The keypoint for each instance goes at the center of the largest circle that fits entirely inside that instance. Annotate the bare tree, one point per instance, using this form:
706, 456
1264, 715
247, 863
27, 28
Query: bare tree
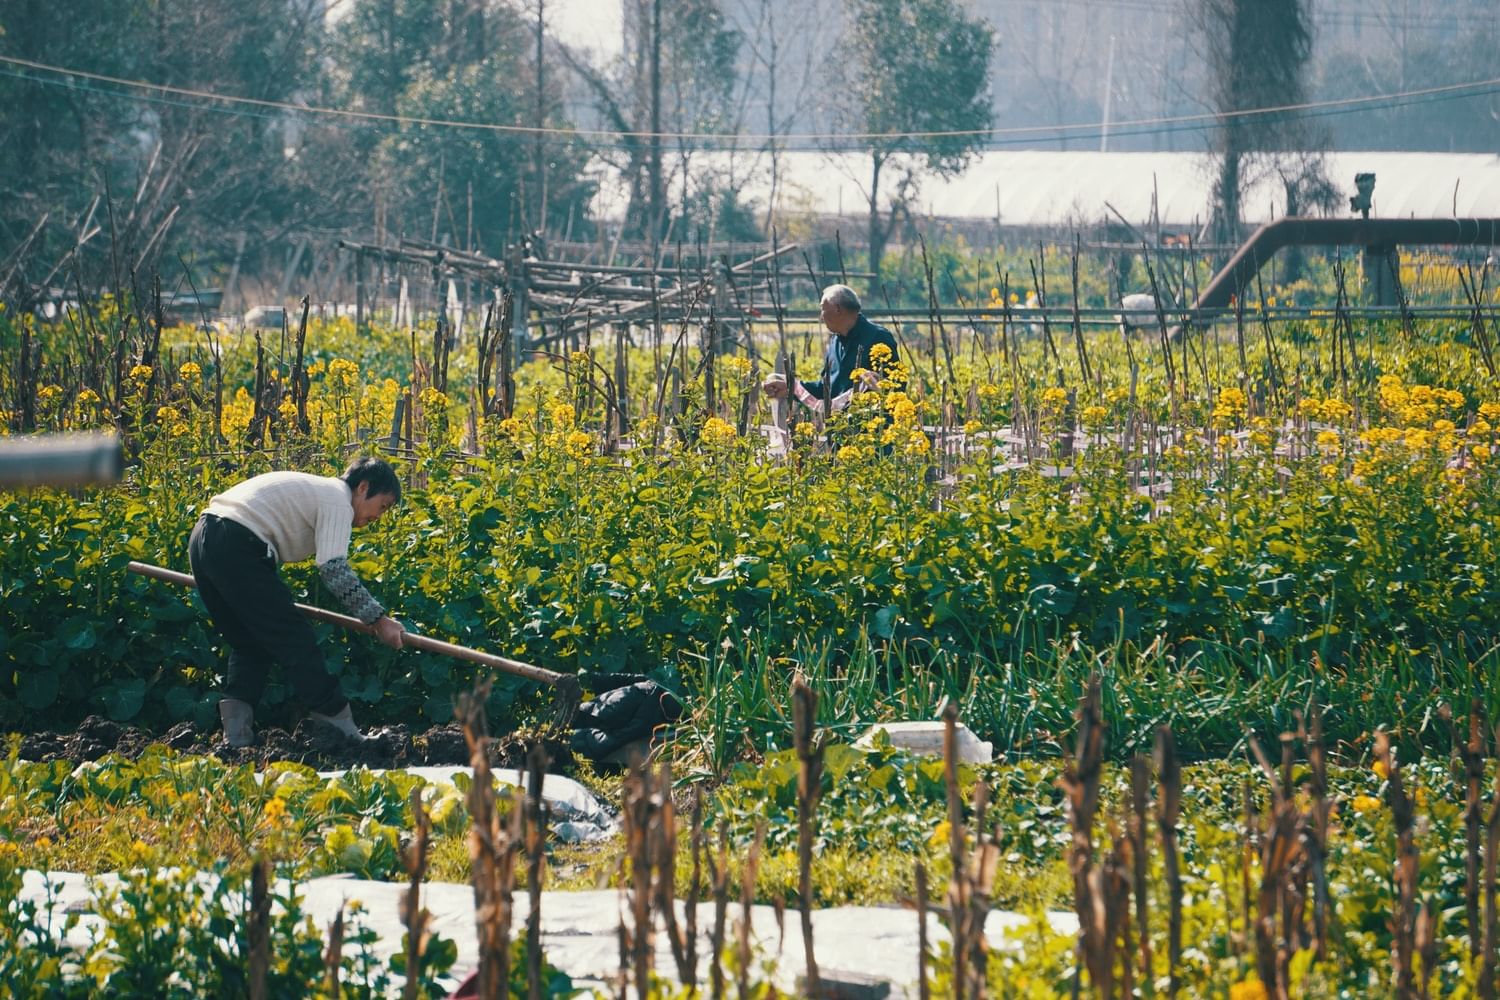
1257, 54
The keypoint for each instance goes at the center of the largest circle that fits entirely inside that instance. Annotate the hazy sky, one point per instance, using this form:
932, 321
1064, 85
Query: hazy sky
589, 24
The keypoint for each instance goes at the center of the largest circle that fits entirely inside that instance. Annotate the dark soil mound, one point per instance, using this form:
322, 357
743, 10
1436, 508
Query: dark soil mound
309, 743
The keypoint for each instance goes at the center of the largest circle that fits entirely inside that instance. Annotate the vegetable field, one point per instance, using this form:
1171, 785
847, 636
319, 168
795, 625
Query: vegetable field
1259, 558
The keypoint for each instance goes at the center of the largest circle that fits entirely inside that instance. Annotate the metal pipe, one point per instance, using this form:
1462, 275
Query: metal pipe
60, 460
1301, 231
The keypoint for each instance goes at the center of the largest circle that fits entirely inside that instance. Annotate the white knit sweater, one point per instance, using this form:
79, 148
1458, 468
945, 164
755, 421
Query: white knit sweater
298, 514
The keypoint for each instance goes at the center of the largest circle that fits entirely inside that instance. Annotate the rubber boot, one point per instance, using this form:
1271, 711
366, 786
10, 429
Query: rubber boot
237, 717
341, 722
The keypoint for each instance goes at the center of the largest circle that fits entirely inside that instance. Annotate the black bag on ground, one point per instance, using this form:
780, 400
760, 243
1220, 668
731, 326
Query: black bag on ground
626, 708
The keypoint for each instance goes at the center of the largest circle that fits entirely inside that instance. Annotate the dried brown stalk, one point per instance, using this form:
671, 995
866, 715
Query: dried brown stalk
1168, 807
333, 957
1140, 856
747, 899
537, 761
1486, 987
721, 908
1404, 920
258, 928
1080, 781
809, 790
413, 914
923, 988
493, 844
958, 901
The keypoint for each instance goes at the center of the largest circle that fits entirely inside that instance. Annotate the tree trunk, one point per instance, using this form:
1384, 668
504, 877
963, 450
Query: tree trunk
877, 233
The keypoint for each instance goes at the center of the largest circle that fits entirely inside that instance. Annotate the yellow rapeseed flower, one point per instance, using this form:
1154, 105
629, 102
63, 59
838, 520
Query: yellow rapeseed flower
190, 371
140, 373
1094, 416
579, 444
1381, 771
850, 453
717, 432
563, 415
1054, 397
1328, 440
1365, 803
880, 355
917, 443
276, 811
1248, 989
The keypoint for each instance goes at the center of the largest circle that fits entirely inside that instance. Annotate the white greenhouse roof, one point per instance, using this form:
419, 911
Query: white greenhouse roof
1058, 188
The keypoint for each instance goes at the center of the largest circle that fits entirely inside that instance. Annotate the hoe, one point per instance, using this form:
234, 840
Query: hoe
566, 690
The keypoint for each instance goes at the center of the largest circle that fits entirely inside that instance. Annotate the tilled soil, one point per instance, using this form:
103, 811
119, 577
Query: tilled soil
309, 743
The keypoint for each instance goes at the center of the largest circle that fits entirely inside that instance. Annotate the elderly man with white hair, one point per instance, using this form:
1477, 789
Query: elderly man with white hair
849, 348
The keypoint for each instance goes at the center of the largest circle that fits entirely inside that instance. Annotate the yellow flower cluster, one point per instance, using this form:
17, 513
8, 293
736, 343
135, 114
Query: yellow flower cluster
901, 408
1248, 989
717, 432
1329, 411
1094, 416
1416, 404
88, 397
48, 394
510, 427
1230, 406
989, 393
1054, 398
854, 453
433, 399
190, 372
1328, 441
275, 812
737, 366
562, 416
343, 375
140, 373
880, 356
579, 444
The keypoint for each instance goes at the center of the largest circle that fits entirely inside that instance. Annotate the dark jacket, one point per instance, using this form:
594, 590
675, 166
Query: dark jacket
849, 352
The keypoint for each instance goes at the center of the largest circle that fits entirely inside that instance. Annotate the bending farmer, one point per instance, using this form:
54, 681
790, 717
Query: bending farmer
235, 548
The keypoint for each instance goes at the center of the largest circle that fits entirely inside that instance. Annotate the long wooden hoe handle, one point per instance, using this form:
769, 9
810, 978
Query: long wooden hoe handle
410, 639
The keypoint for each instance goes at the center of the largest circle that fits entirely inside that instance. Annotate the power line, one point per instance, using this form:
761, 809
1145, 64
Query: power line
602, 137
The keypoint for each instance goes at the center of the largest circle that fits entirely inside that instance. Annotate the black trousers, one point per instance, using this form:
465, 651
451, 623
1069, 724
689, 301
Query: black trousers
253, 610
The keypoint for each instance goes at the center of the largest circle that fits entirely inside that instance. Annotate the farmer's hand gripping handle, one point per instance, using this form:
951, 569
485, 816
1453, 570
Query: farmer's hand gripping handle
566, 684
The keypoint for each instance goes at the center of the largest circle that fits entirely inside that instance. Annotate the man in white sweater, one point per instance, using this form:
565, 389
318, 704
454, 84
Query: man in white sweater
244, 534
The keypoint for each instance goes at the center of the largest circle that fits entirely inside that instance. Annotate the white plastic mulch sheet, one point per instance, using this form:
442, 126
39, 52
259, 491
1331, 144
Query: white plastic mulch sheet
577, 817
580, 929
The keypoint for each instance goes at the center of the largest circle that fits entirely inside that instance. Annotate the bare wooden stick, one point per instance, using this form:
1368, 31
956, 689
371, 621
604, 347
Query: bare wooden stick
809, 790
258, 928
413, 914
